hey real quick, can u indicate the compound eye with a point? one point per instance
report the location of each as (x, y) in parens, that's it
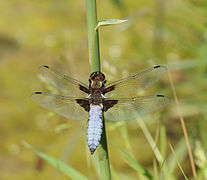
(92, 76)
(101, 76)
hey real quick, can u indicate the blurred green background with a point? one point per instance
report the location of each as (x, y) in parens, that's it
(35, 33)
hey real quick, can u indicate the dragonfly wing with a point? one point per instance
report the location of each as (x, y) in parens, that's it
(63, 105)
(130, 108)
(65, 84)
(132, 85)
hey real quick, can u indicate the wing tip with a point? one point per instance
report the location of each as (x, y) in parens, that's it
(33, 95)
(160, 95)
(44, 66)
(166, 99)
(156, 67)
(37, 93)
(159, 66)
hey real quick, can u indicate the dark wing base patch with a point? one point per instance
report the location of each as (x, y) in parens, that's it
(108, 104)
(84, 103)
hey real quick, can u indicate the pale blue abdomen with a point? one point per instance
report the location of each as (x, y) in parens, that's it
(94, 127)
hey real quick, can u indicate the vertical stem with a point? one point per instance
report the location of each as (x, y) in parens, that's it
(93, 39)
(103, 156)
(94, 58)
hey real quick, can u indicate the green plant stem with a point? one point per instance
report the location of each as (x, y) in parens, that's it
(103, 155)
(94, 58)
(93, 37)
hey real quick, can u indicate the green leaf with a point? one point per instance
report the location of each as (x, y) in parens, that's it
(135, 165)
(108, 22)
(181, 153)
(163, 141)
(178, 163)
(70, 172)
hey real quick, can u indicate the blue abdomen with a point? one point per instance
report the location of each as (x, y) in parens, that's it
(94, 127)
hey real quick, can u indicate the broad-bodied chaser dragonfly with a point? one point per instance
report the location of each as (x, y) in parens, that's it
(114, 100)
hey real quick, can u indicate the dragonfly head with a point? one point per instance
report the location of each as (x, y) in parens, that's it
(97, 79)
(97, 75)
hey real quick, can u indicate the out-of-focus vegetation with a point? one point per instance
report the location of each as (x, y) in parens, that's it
(34, 33)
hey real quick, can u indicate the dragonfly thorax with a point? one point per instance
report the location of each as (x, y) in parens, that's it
(96, 86)
(96, 96)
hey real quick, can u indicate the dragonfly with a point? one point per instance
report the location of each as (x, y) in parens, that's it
(114, 101)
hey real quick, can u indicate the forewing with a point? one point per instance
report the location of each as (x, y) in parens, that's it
(63, 105)
(131, 108)
(65, 84)
(132, 85)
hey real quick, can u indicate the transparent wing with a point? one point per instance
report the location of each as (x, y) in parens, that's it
(130, 108)
(65, 84)
(63, 105)
(132, 85)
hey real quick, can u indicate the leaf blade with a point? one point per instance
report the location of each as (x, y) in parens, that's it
(109, 22)
(132, 163)
(70, 172)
